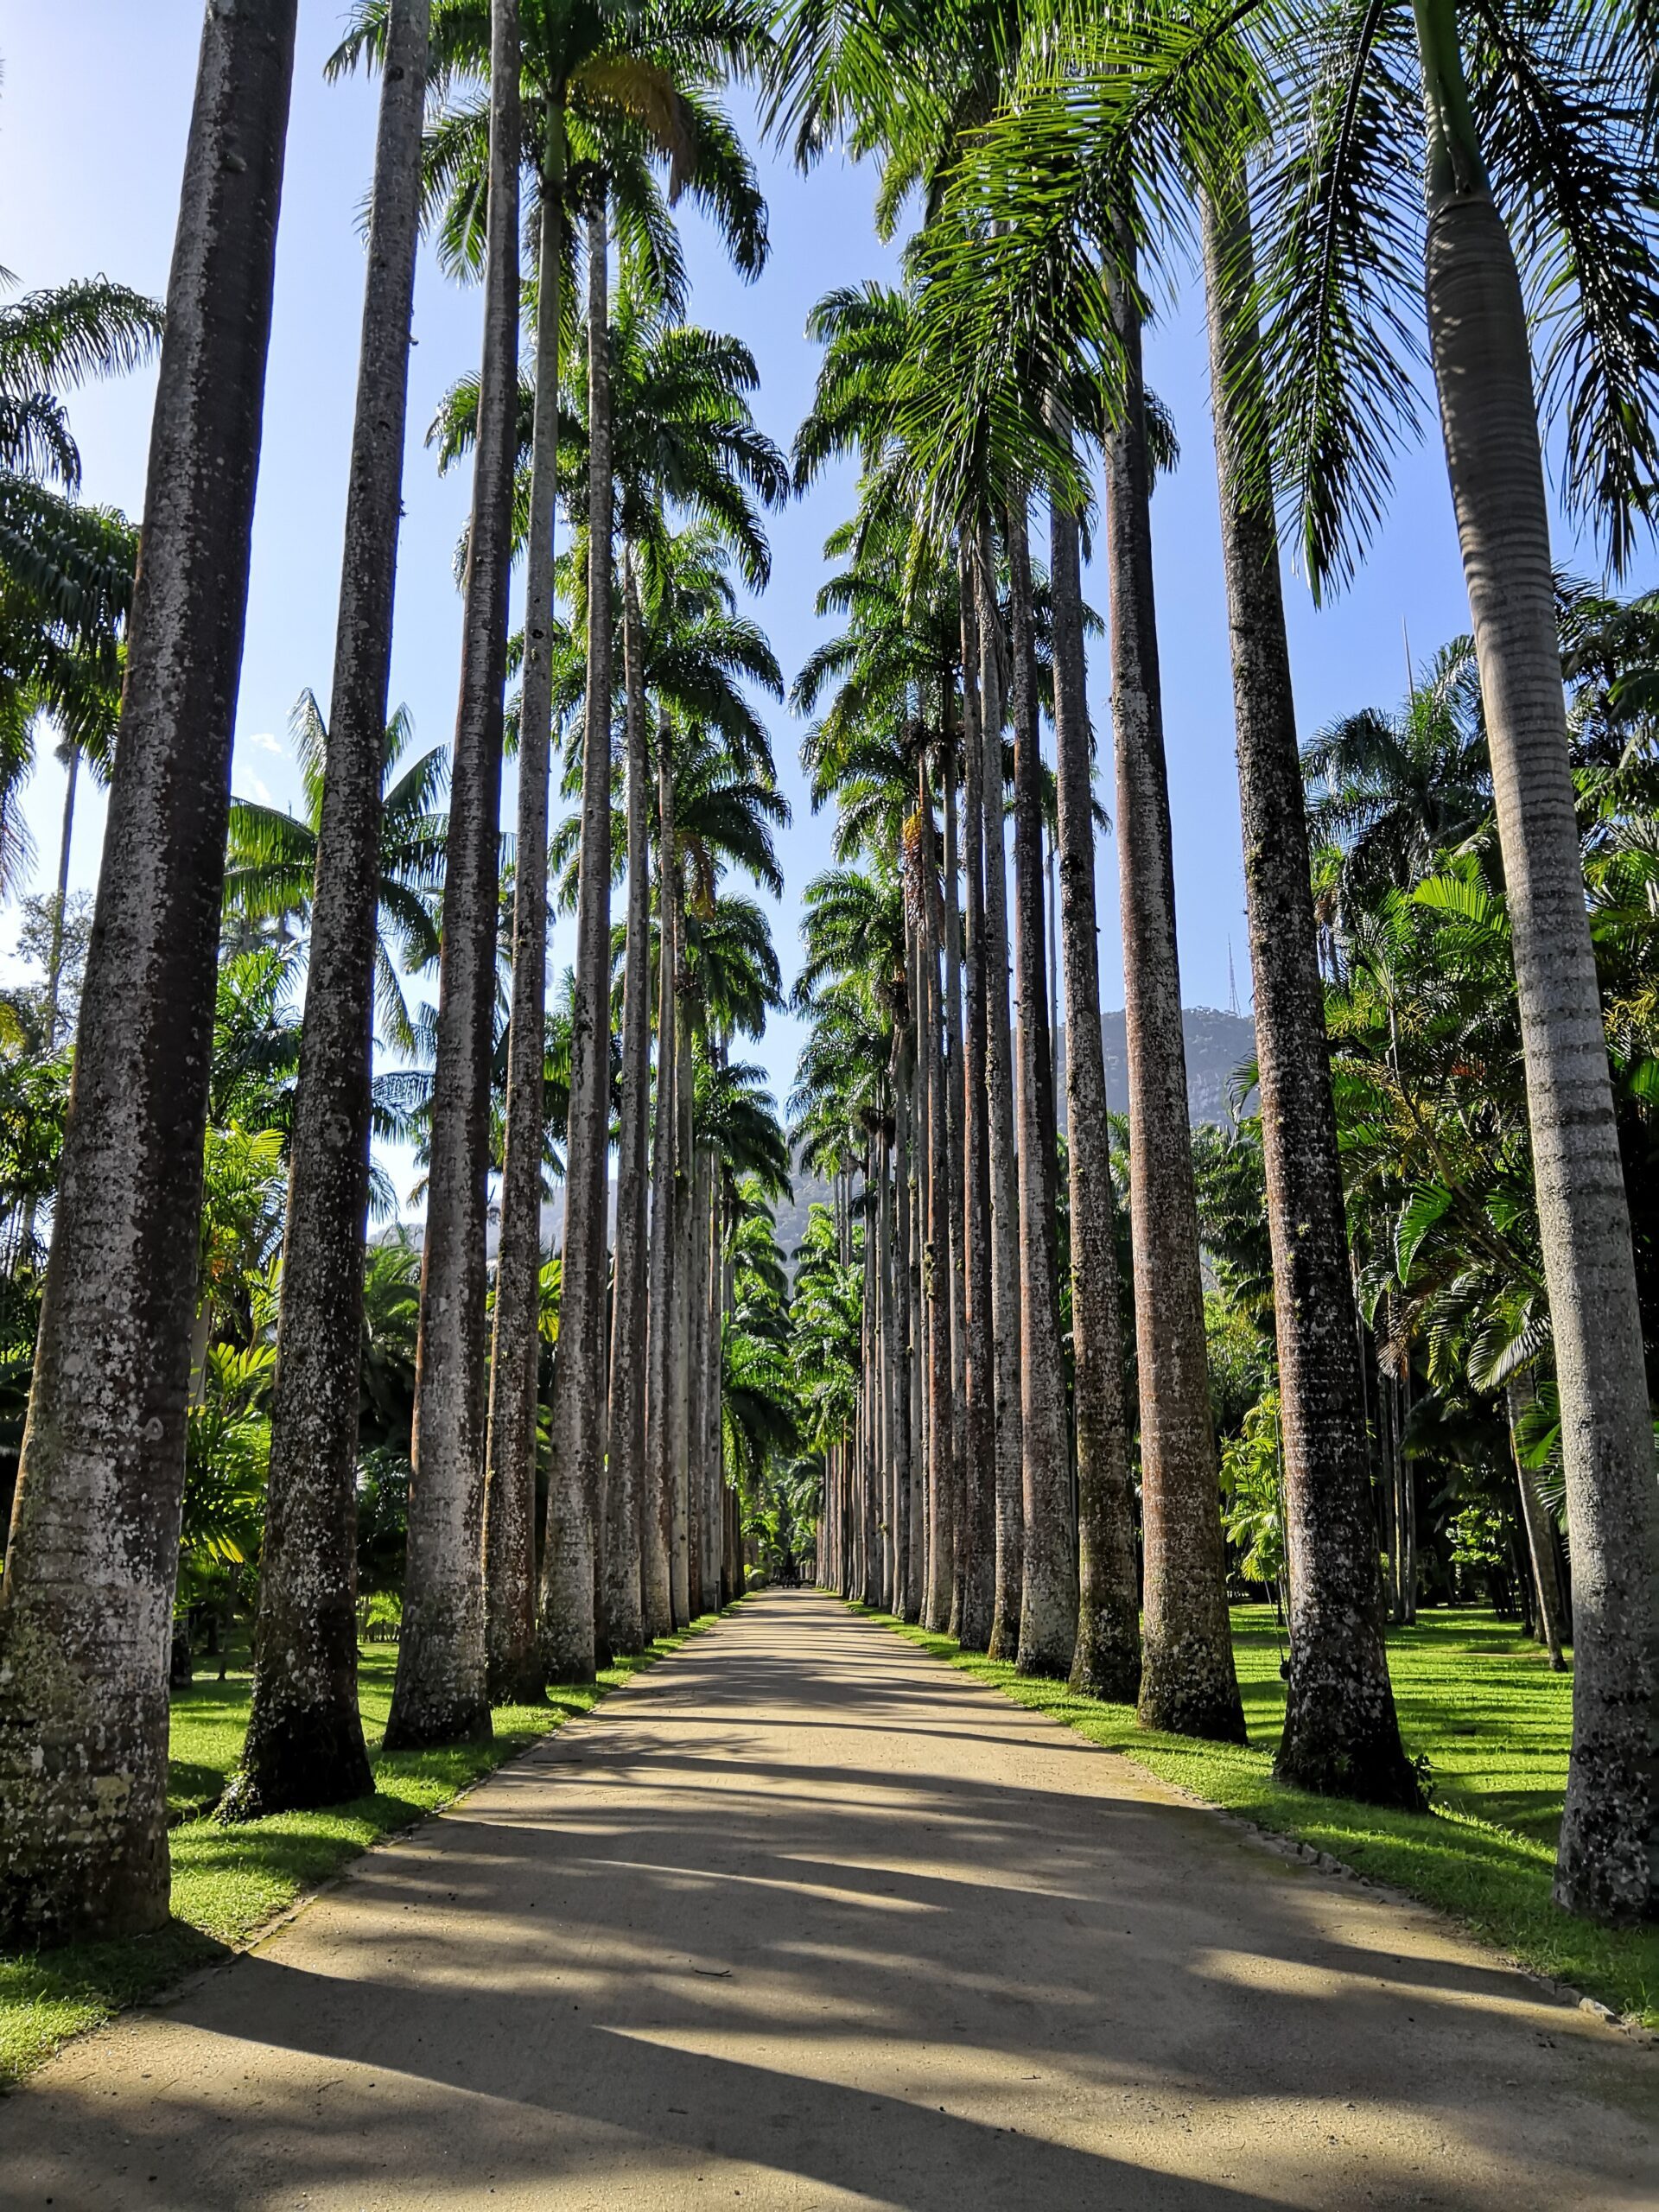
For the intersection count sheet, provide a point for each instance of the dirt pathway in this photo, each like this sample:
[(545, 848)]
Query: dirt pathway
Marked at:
[(804, 1918)]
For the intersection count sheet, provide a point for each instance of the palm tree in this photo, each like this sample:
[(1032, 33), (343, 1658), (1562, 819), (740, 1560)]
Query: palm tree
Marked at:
[(1348, 1740), (575, 1427), (577, 1421), (1188, 1684), (271, 870), (1394, 790), (93, 1554), (685, 435), (1048, 1601), (66, 570), (606, 89), (1538, 172), (1106, 1662), (442, 1692), (305, 1741)]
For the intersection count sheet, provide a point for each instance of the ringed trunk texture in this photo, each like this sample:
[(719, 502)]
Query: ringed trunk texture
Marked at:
[(622, 1606), (1340, 1735), (953, 1113), (904, 1120), (515, 1663), (442, 1692), (576, 1423), (657, 1592), (305, 1738), (1483, 371), (976, 1534), (999, 1085), (1048, 1602), (936, 1260), (887, 1362), (1106, 1662), (87, 1603), (1188, 1685), (916, 1572), (679, 1340)]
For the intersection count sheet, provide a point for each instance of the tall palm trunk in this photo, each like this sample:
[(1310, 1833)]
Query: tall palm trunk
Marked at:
[(1483, 369), (1107, 1661), (87, 1603), (1048, 1601), (935, 1263), (870, 1388), (1004, 1169), (713, 1468), (54, 953), (976, 1536), (1540, 1536), (1340, 1730), (305, 1739), (680, 1248), (953, 1122), (442, 1692), (915, 1200), (906, 1439), (889, 1448), (622, 1608), (1188, 1685), (577, 1423), (656, 1585), (697, 1309), (515, 1664)]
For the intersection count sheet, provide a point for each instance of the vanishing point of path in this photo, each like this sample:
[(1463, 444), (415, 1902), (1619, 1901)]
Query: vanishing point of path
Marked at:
[(803, 1918)]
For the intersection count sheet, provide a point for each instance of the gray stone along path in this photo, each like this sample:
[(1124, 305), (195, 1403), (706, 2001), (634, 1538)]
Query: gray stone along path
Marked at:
[(803, 1918)]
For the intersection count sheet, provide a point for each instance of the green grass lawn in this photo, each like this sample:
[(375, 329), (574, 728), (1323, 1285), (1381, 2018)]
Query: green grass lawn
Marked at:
[(1476, 1699), (228, 1882)]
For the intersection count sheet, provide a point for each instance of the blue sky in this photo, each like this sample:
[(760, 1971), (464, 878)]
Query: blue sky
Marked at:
[(94, 110)]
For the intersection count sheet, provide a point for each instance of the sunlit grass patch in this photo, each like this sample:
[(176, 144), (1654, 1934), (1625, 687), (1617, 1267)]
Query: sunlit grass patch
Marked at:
[(229, 1882), (1476, 1700)]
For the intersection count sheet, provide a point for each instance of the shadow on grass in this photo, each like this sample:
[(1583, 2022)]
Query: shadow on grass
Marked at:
[(1455, 1857), (229, 1882)]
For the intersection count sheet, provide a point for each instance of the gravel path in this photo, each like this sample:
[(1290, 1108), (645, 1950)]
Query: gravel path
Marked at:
[(802, 1918)]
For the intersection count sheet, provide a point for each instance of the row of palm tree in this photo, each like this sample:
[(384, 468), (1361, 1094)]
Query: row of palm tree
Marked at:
[(1062, 160), (1065, 161), (590, 124)]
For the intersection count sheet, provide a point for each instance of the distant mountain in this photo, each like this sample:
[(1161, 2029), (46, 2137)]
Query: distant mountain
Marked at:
[(810, 1190), (1217, 1045)]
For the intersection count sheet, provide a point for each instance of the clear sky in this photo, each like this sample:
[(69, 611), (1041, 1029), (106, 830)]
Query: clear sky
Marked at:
[(94, 110)]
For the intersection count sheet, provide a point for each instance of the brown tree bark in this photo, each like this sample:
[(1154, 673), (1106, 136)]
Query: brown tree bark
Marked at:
[(936, 1260), (442, 1692), (305, 1738), (622, 1603), (1107, 1661), (1340, 1730), (87, 1603), (657, 1587), (1004, 1170), (954, 1103), (1188, 1685), (679, 1341), (1048, 1601), (977, 1535), (515, 1659), (577, 1420)]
